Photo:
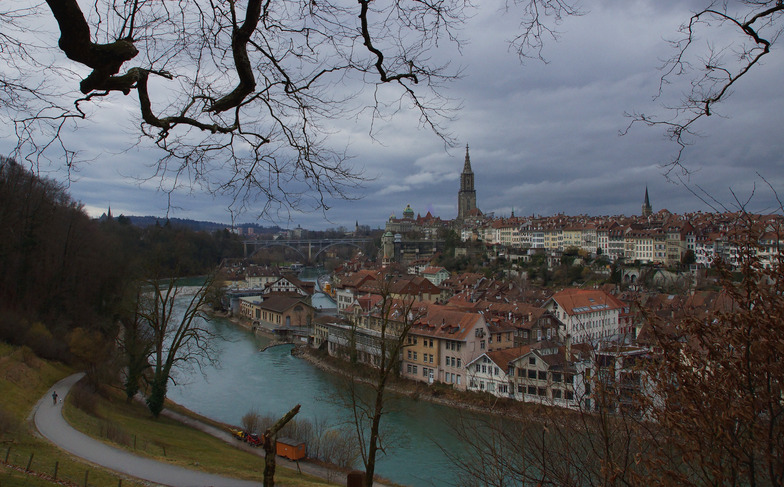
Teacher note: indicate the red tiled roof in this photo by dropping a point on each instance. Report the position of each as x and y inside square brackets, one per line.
[575, 301]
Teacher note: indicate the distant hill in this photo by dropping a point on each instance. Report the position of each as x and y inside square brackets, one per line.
[196, 225]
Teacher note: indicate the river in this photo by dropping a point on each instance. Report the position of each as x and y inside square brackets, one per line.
[273, 381]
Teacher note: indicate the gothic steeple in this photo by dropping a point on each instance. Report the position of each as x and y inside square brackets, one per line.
[466, 197]
[467, 165]
[647, 210]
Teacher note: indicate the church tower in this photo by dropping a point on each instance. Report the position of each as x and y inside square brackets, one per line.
[466, 197]
[647, 210]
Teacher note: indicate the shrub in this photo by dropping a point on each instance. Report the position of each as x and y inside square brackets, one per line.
[84, 398]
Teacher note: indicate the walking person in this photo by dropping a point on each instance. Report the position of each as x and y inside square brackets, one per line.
[54, 398]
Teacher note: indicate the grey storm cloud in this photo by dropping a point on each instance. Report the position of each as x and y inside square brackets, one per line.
[544, 138]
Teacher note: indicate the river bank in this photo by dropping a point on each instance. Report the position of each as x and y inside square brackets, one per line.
[483, 403]
[437, 393]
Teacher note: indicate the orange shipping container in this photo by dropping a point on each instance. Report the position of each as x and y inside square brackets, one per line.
[291, 449]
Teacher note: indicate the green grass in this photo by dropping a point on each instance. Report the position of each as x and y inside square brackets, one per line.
[132, 427]
[24, 379]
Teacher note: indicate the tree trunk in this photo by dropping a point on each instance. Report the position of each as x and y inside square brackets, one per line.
[157, 397]
[269, 443]
[370, 466]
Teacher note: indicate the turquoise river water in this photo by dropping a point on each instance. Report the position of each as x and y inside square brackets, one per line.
[273, 381]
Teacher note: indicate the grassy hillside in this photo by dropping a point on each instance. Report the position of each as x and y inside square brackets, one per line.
[109, 418]
[25, 378]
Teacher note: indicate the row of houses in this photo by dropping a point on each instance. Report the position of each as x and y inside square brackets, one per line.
[661, 238]
[510, 349]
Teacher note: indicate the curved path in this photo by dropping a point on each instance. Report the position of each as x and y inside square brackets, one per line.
[51, 424]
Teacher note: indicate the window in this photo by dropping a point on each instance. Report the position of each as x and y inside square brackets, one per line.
[556, 393]
[496, 371]
[519, 388]
[541, 391]
[482, 345]
[531, 374]
[556, 377]
[408, 368]
[484, 369]
[431, 358]
[478, 368]
[542, 375]
[415, 355]
[490, 338]
[409, 355]
[520, 372]
[414, 369]
[569, 395]
[458, 379]
[431, 343]
[532, 390]
[458, 363]
[531, 360]
[446, 360]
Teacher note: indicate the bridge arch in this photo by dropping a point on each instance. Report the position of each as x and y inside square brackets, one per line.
[277, 243]
[299, 246]
[336, 244]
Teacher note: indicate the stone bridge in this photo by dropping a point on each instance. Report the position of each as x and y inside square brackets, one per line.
[308, 249]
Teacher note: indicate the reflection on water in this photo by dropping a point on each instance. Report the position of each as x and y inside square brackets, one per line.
[273, 381]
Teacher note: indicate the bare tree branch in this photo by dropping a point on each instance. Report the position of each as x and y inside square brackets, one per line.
[756, 25]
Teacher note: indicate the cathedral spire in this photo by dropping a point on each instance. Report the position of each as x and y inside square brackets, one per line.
[466, 197]
[467, 165]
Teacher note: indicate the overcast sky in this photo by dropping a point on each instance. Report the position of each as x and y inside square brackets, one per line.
[544, 138]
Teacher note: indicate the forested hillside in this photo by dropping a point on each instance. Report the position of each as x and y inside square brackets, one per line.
[61, 271]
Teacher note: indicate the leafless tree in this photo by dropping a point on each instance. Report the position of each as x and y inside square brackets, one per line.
[547, 445]
[236, 94]
[377, 346]
[717, 393]
[739, 35]
[251, 421]
[177, 340]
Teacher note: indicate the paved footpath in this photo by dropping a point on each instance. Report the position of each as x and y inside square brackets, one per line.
[51, 424]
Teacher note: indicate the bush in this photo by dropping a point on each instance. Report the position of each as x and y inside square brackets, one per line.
[8, 423]
[84, 398]
[116, 434]
[337, 446]
[251, 422]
